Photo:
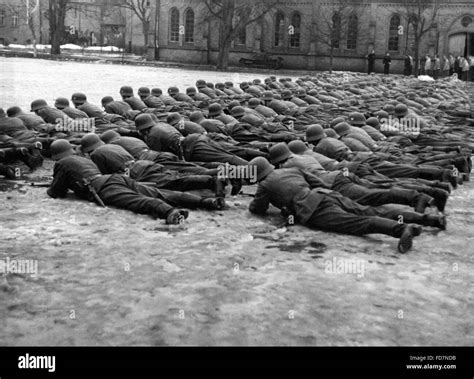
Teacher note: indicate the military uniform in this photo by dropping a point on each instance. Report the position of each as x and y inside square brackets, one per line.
[74, 113]
[111, 159]
[354, 188]
[115, 190]
[297, 192]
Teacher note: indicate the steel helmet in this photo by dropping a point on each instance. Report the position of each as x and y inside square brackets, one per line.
[90, 142]
[279, 153]
[264, 168]
[38, 104]
[60, 149]
[314, 133]
[297, 147]
[144, 121]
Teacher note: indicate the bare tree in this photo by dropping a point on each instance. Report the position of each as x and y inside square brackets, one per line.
[420, 17]
[56, 16]
[337, 22]
[31, 8]
[233, 16]
[143, 11]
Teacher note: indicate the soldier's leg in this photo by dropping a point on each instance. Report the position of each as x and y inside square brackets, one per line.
[191, 182]
[192, 168]
[187, 200]
[179, 199]
[376, 197]
[392, 213]
[212, 152]
[331, 217]
[121, 192]
[245, 153]
[393, 170]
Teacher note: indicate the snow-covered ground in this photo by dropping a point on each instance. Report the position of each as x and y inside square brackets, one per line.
[110, 277]
[24, 80]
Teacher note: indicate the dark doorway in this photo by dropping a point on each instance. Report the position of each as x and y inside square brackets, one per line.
[470, 45]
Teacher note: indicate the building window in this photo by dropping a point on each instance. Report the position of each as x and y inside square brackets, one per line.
[174, 25]
[189, 26]
[242, 36]
[352, 30]
[15, 20]
[393, 36]
[295, 31]
[279, 29]
[2, 17]
[336, 30]
[411, 32]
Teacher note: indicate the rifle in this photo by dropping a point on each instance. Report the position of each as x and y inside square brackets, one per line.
[40, 185]
[87, 183]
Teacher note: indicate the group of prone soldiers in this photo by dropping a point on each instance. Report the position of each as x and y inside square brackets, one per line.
[146, 152]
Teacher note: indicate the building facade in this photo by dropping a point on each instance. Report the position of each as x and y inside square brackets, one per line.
[300, 31]
[87, 23]
[291, 31]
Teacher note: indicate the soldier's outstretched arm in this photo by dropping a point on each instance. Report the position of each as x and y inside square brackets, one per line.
[260, 204]
[59, 186]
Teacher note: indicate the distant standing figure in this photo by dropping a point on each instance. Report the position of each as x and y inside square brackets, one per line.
[436, 67]
[457, 67]
[465, 69]
[428, 65]
[371, 60]
[451, 64]
[446, 66]
[387, 61]
[408, 65]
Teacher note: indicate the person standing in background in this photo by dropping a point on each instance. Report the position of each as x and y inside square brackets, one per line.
[451, 64]
[428, 65]
[371, 61]
[436, 67]
[387, 61]
[457, 67]
[464, 69]
[408, 65]
[446, 66]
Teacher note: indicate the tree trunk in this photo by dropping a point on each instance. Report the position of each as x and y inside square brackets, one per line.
[33, 33]
[55, 43]
[417, 56]
[146, 30]
[209, 42]
[57, 15]
[331, 59]
[223, 58]
[40, 14]
[225, 35]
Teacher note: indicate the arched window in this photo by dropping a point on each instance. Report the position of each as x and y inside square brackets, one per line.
[336, 30]
[393, 36]
[279, 28]
[241, 38]
[295, 30]
[189, 26]
[174, 25]
[411, 32]
[352, 31]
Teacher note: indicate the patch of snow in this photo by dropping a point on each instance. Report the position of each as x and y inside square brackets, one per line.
[425, 78]
[71, 46]
[16, 46]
